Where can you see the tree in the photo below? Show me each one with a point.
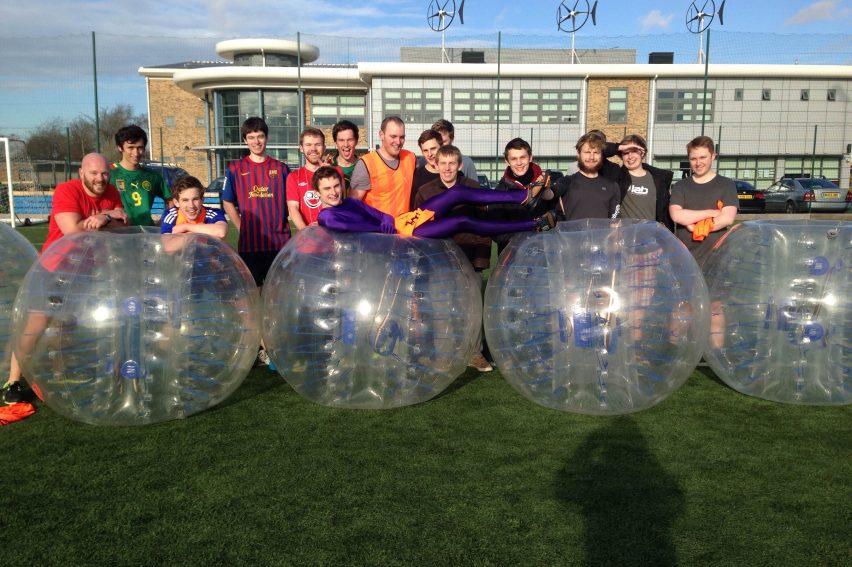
(50, 139)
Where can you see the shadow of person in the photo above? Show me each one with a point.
(628, 501)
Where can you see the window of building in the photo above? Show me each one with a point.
(417, 106)
(280, 110)
(482, 106)
(681, 105)
(550, 107)
(200, 122)
(805, 95)
(766, 94)
(170, 121)
(831, 95)
(738, 94)
(617, 106)
(327, 109)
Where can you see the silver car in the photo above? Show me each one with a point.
(805, 195)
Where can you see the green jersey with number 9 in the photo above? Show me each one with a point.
(138, 189)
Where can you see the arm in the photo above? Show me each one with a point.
(725, 219)
(359, 182)
(295, 215)
(70, 223)
(232, 213)
(686, 217)
(218, 229)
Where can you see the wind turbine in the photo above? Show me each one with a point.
(699, 19)
(439, 16)
(571, 19)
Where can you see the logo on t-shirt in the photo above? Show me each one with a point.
(312, 199)
(146, 185)
(638, 190)
(260, 192)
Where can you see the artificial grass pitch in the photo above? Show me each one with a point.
(478, 475)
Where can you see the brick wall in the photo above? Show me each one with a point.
(181, 117)
(597, 112)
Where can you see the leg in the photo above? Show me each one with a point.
(350, 216)
(446, 201)
(445, 227)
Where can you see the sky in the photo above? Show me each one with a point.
(45, 45)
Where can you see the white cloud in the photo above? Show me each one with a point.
(823, 11)
(654, 19)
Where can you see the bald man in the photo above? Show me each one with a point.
(88, 203)
(84, 204)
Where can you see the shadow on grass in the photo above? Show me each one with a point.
(461, 381)
(628, 501)
(258, 382)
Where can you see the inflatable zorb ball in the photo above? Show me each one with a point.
(131, 328)
(597, 316)
(783, 290)
(370, 321)
(16, 257)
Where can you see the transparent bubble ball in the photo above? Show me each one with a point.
(597, 316)
(370, 321)
(17, 255)
(134, 327)
(782, 293)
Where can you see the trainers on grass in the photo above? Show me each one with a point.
(480, 363)
(14, 392)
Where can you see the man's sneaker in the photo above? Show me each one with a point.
(14, 392)
(537, 192)
(478, 361)
(262, 358)
(545, 222)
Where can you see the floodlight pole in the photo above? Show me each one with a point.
(97, 117)
(706, 70)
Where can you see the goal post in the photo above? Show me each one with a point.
(22, 200)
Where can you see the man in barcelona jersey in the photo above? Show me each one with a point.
(254, 197)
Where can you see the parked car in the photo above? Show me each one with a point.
(751, 200)
(483, 182)
(170, 173)
(806, 194)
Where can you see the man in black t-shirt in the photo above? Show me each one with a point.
(587, 194)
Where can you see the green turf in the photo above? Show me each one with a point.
(477, 476)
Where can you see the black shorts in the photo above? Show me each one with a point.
(259, 263)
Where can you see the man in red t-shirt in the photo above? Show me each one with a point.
(88, 203)
(303, 204)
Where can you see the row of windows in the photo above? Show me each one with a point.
(281, 109)
(804, 94)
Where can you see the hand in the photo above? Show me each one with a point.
(96, 222)
(118, 215)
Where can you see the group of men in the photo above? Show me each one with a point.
(391, 190)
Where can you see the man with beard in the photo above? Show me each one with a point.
(587, 194)
(303, 204)
(383, 178)
(85, 204)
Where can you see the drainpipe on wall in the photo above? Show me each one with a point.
(651, 122)
(585, 105)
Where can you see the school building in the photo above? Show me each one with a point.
(767, 120)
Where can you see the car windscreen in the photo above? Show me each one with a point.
(817, 183)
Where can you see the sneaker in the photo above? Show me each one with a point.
(14, 392)
(262, 358)
(545, 222)
(538, 192)
(478, 361)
